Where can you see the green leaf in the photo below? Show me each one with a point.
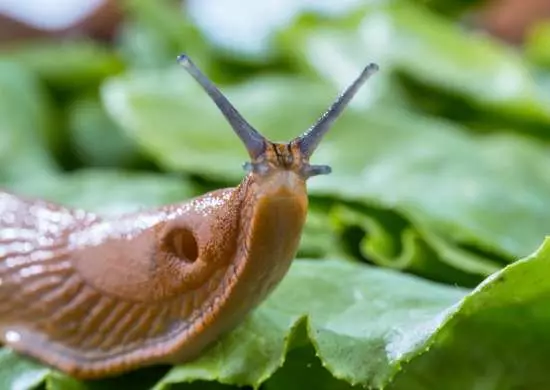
(108, 192)
(303, 370)
(454, 185)
(388, 241)
(143, 379)
(96, 139)
(58, 381)
(252, 42)
(458, 186)
(318, 237)
(20, 373)
(156, 31)
(496, 338)
(454, 8)
(537, 43)
(68, 64)
(143, 46)
(25, 124)
(429, 49)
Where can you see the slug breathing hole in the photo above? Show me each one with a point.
(182, 243)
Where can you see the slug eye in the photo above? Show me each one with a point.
(183, 244)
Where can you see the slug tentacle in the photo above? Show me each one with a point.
(309, 141)
(264, 152)
(97, 297)
(254, 141)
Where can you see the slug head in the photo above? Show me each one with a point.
(269, 157)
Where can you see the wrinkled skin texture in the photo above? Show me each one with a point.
(96, 297)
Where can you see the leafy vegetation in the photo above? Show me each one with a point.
(424, 262)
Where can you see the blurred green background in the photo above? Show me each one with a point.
(440, 164)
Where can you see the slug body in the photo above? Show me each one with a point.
(97, 297)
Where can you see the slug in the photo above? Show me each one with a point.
(95, 297)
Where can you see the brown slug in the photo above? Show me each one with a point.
(97, 297)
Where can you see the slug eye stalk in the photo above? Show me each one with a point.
(309, 141)
(252, 140)
(255, 143)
